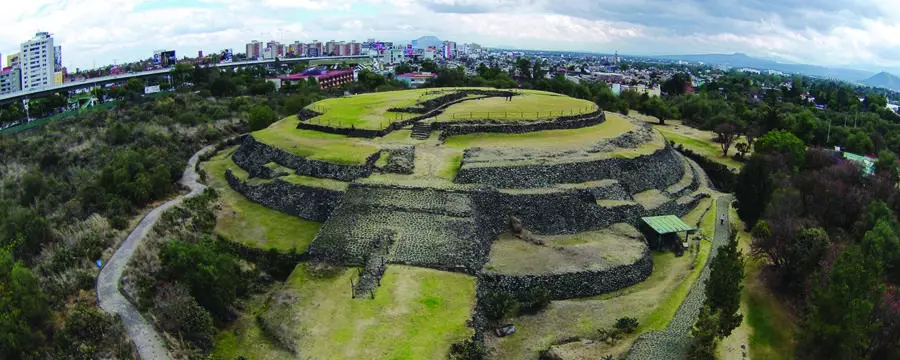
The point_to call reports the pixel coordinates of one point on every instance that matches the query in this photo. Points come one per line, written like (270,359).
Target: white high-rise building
(38,62)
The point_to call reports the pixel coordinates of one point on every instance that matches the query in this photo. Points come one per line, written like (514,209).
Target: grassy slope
(252,224)
(653,302)
(613,126)
(528,105)
(416,314)
(368,111)
(662,315)
(771,325)
(698,141)
(315,145)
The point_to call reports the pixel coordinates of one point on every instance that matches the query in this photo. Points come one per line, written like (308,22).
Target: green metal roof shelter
(666,224)
(867,164)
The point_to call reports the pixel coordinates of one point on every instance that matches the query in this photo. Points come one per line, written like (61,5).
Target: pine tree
(725,284)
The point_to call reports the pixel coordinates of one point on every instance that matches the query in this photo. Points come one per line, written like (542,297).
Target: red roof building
(326,79)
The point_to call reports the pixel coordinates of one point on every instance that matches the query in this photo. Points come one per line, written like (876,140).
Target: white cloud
(864,32)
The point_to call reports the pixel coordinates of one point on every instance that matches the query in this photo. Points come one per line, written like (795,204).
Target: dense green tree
(213,276)
(755,187)
(676,84)
(705,335)
(838,322)
(784,143)
(23,309)
(260,117)
(724,286)
(523,68)
(802,258)
(657,108)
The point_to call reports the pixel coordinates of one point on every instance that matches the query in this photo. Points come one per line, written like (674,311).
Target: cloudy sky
(861,34)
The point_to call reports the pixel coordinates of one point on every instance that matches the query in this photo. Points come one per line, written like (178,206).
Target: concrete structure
(331,48)
(254,49)
(415,80)
(10,80)
(38,62)
(122,77)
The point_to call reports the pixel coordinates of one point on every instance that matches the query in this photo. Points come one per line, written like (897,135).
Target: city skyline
(858,35)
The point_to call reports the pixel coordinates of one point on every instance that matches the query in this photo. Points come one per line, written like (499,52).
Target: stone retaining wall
(309,203)
(572,284)
(254,155)
(494,126)
(655,171)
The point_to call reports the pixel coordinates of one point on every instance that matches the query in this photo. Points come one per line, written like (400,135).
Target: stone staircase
(375,266)
(421,131)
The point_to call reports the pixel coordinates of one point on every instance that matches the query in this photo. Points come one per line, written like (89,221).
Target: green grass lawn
(417,313)
(252,224)
(772,326)
(529,105)
(369,111)
(653,302)
(614,126)
(315,145)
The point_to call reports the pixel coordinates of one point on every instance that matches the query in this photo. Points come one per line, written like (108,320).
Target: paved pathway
(673,342)
(149,344)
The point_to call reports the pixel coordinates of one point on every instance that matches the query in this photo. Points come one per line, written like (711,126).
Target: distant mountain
(884,80)
(742,60)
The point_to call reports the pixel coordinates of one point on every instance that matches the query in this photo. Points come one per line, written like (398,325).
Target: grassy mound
(595,250)
(528,105)
(614,126)
(315,145)
(416,314)
(250,223)
(370,111)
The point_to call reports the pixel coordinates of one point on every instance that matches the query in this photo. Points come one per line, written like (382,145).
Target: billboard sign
(226,56)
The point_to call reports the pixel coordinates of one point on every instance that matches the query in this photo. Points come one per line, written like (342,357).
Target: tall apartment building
(254,49)
(314,49)
(10,80)
(38,63)
(355,48)
(346,48)
(331,48)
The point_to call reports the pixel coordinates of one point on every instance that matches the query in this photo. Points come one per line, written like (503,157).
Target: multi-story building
(325,78)
(254,49)
(10,80)
(355,48)
(276,48)
(14,59)
(314,48)
(38,63)
(331,48)
(346,48)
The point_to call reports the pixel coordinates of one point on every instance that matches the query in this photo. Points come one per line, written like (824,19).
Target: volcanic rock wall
(310,203)
(507,127)
(571,284)
(655,171)
(254,155)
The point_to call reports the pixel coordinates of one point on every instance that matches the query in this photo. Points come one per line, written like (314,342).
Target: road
(149,343)
(673,342)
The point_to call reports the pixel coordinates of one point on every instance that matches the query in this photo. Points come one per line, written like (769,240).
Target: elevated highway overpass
(101,81)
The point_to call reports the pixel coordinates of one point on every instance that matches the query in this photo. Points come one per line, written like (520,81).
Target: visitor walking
(722,219)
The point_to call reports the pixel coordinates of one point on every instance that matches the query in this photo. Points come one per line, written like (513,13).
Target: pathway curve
(150,345)
(673,342)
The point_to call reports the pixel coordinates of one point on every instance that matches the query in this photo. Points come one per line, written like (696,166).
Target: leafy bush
(499,306)
(468,350)
(626,324)
(179,313)
(534,301)
(214,277)
(90,333)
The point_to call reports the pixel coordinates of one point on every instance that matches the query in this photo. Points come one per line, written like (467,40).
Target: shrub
(534,301)
(468,350)
(626,324)
(499,306)
(179,313)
